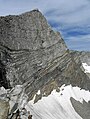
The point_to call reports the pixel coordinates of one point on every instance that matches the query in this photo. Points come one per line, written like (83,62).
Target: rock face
(35,56)
(80,58)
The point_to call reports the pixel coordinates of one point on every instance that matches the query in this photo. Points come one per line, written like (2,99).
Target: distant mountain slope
(83,60)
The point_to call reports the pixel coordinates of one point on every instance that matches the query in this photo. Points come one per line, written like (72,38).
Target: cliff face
(35,56)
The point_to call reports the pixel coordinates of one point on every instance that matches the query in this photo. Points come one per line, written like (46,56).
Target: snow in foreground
(57,105)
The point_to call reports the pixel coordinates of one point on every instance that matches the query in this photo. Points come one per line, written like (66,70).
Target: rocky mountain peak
(27,31)
(28,45)
(36,58)
(34,54)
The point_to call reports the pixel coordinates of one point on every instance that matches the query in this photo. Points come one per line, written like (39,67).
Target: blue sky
(70,17)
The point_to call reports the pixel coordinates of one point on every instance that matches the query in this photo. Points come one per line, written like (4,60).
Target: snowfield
(58,105)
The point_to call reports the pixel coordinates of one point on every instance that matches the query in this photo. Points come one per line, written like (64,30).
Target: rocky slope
(36,57)
(82,59)
(83,56)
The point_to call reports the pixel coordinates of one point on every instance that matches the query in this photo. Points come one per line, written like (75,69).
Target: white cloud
(76,16)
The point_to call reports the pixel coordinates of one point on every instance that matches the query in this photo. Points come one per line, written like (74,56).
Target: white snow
(57,105)
(86,67)
(38,92)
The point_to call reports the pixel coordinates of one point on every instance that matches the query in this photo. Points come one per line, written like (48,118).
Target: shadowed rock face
(36,56)
(83,109)
(3,80)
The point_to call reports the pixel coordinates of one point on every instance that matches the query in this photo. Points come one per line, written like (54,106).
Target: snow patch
(86,67)
(38,92)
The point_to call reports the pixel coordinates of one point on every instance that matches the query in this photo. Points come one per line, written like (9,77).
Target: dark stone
(3,79)
(83,109)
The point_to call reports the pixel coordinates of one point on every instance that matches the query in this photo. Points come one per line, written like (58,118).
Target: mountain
(35,64)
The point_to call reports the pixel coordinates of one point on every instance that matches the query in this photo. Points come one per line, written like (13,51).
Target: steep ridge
(36,58)
(82,56)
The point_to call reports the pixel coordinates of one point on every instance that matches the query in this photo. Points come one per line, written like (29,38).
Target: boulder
(4,109)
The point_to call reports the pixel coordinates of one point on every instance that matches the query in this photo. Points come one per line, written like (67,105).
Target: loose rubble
(13,103)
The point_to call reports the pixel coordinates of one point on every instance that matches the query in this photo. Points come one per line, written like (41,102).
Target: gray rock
(15,107)
(4,109)
(81,57)
(83,109)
